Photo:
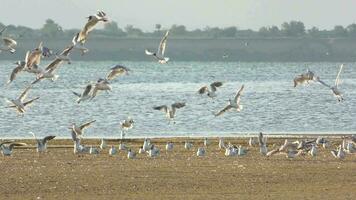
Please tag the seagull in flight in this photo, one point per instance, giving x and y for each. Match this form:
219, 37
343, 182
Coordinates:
78, 131
42, 143
159, 55
335, 88
235, 103
89, 26
170, 112
210, 92
85, 95
19, 103
101, 84
304, 78
7, 147
126, 125
9, 45
19, 67
116, 71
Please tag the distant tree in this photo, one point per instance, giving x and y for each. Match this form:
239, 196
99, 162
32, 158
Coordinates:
263, 31
158, 27
112, 28
293, 28
274, 31
178, 30
314, 32
339, 31
212, 32
351, 30
132, 31
51, 29
228, 32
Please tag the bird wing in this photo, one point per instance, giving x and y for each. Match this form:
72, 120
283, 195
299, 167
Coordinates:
238, 94
9, 42
67, 50
48, 138
228, 107
11, 146
178, 105
3, 29
148, 52
87, 90
163, 108
215, 85
53, 65
203, 89
163, 44
24, 93
30, 101
116, 71
86, 125
323, 83
337, 80
14, 72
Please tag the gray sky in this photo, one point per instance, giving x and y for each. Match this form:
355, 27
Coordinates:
192, 13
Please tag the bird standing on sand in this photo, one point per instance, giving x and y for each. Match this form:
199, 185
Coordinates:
201, 152
20, 104
131, 154
41, 145
188, 145
335, 88
313, 151
7, 147
126, 125
78, 131
235, 103
159, 55
263, 144
93, 150
339, 153
153, 152
221, 143
212, 91
112, 150
169, 146
170, 113
103, 144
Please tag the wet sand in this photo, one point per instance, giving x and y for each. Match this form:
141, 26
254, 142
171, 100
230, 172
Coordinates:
59, 174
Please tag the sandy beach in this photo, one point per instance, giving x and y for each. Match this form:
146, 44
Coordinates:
59, 174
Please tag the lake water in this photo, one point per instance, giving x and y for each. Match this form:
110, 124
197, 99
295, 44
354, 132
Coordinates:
271, 104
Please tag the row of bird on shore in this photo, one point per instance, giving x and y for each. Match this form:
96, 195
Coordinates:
33, 59
289, 149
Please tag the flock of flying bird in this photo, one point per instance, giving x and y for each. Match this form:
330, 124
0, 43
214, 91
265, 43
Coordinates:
32, 62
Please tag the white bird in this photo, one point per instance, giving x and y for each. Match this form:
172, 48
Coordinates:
19, 68
188, 145
19, 103
159, 55
350, 148
89, 26
80, 149
170, 113
112, 150
93, 150
131, 154
85, 95
103, 144
153, 152
146, 144
212, 91
33, 59
141, 150
101, 85
235, 103
9, 45
41, 144
221, 143
126, 125
335, 88
206, 142
339, 153
231, 151
241, 151
116, 71
79, 44
304, 78
252, 142
313, 151
122, 146
262, 142
7, 147
201, 151
169, 146
78, 131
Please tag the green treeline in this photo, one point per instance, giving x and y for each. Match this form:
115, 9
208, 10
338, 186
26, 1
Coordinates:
292, 29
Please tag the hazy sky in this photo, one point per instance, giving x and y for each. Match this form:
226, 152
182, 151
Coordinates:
191, 13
